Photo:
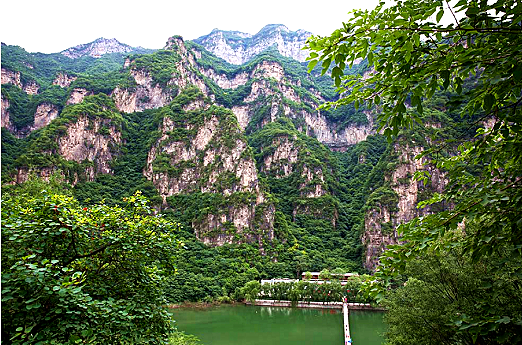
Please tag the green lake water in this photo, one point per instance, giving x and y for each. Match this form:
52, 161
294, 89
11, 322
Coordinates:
247, 325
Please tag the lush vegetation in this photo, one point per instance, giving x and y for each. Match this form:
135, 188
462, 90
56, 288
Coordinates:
92, 274
425, 91
468, 280
305, 291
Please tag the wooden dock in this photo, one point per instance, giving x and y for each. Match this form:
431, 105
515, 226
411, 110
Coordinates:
347, 336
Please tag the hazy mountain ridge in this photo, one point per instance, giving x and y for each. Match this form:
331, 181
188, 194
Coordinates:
238, 47
100, 47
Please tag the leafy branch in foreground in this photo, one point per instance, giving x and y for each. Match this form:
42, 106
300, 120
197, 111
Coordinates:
476, 60
90, 275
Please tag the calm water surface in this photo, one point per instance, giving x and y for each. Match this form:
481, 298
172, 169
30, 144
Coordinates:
247, 325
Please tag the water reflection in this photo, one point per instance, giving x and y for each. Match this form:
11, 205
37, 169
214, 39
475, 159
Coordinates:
249, 325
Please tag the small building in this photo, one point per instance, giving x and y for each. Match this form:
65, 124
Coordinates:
342, 277
278, 280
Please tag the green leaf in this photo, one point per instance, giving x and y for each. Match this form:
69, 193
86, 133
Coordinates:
311, 65
407, 56
439, 15
416, 39
472, 11
408, 46
489, 100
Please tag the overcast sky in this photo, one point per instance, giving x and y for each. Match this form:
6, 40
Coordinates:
53, 26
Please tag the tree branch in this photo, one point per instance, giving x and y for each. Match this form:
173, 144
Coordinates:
94, 252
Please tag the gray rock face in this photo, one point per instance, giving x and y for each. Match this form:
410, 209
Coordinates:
97, 48
238, 47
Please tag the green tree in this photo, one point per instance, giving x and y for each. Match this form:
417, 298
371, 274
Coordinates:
251, 290
84, 274
443, 296
325, 275
475, 61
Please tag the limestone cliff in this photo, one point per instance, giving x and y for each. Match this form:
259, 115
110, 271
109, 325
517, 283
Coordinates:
238, 48
202, 152
10, 77
63, 79
45, 113
286, 156
85, 141
88, 134
396, 203
151, 94
5, 114
275, 94
298, 169
77, 95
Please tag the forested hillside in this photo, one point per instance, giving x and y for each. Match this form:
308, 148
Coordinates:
235, 153
240, 170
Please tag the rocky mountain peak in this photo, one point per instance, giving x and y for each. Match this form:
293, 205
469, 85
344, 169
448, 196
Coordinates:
97, 48
237, 47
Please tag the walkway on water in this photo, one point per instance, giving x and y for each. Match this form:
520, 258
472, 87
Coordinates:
323, 305
346, 323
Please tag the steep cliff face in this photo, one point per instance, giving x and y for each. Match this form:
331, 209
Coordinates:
147, 95
5, 114
286, 156
298, 170
10, 77
238, 48
80, 144
63, 79
398, 204
86, 141
202, 152
45, 113
273, 94
150, 93
77, 95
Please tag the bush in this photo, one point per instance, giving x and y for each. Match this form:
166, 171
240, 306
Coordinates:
92, 274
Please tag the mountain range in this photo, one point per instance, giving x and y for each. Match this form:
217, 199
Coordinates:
223, 134
233, 46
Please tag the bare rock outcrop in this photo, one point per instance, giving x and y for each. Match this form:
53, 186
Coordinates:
14, 78
63, 79
97, 48
5, 114
238, 47
10, 77
84, 141
382, 220
150, 95
77, 95
44, 114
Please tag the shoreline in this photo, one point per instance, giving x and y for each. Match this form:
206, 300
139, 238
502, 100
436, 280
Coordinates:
314, 305
199, 305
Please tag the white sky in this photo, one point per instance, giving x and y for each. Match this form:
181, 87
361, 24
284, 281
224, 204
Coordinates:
55, 25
